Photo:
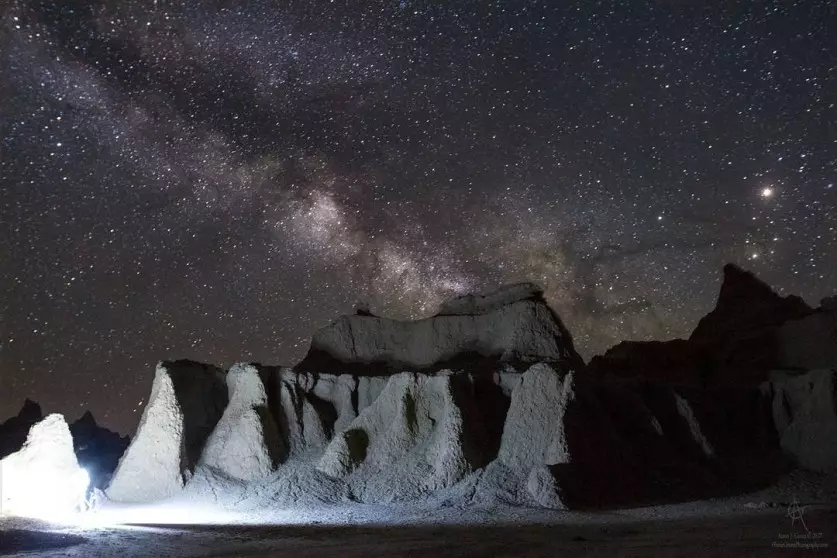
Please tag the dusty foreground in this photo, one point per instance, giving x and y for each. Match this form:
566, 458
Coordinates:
699, 530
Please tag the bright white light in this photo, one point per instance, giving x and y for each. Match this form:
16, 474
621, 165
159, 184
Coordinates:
42, 494
767, 192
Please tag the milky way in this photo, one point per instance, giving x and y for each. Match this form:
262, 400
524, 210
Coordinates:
215, 183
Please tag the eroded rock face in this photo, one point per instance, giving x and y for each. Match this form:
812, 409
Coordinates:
509, 325
805, 415
187, 401
414, 439
245, 444
43, 478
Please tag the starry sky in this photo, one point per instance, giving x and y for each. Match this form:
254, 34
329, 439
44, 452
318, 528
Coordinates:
217, 180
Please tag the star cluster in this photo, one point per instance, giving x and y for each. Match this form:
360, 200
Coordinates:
215, 181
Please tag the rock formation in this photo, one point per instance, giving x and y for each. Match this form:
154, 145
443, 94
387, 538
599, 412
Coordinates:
737, 343
513, 325
245, 444
417, 437
487, 401
186, 402
809, 343
43, 478
805, 415
97, 449
13, 432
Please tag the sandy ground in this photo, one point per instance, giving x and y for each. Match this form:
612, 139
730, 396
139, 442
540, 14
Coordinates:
700, 529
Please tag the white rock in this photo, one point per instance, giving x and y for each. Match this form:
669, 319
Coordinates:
186, 402
411, 441
43, 479
245, 443
544, 489
534, 432
805, 415
526, 330
511, 324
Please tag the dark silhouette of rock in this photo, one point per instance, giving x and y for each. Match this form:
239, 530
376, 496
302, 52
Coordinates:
13, 432
745, 303
674, 361
738, 340
97, 449
737, 343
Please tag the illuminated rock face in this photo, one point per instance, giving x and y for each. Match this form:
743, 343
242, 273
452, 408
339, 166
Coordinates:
513, 324
418, 436
245, 444
44, 479
187, 400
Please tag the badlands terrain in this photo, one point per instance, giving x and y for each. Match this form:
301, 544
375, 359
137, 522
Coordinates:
478, 431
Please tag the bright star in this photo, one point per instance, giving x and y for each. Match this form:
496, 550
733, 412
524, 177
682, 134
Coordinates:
767, 192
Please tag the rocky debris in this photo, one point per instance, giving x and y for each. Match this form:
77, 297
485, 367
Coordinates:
97, 449
805, 415
245, 444
14, 431
43, 478
417, 437
187, 401
809, 343
511, 325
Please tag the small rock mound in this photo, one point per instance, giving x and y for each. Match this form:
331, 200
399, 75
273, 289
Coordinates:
43, 478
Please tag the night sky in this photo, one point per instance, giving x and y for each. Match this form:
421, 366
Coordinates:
216, 183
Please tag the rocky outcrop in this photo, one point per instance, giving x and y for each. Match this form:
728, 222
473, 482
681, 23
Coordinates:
417, 437
187, 401
43, 478
573, 441
245, 444
511, 325
13, 432
809, 343
97, 449
485, 402
805, 415
751, 331
745, 304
